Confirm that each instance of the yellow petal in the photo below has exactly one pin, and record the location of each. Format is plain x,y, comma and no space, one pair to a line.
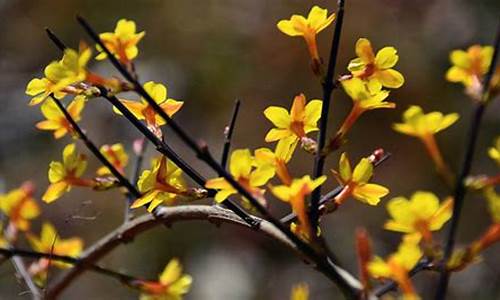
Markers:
386,58
379,268
363,171
240,163
456,74
218,183
48,125
370,193
147,181
424,204
364,50
55,191
288,28
313,112
145,199
460,59
172,272
345,168
278,116
318,20
57,172
390,78
136,108
447,121
442,215
156,90
51,111
285,148
75,107
261,175
278,134
36,86
223,194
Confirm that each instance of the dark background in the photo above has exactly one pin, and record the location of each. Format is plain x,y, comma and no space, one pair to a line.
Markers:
210,53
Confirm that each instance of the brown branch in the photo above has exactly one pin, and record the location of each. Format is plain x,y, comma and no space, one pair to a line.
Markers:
15,253
170,215
322,262
460,188
23,272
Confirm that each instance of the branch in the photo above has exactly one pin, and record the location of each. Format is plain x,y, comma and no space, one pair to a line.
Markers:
460,189
95,151
204,154
161,146
170,215
21,270
16,253
328,86
228,134
135,177
164,149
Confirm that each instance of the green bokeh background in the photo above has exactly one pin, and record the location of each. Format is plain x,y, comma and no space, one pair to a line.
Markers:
210,53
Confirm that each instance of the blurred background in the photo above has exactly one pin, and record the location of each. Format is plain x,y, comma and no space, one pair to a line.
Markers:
210,53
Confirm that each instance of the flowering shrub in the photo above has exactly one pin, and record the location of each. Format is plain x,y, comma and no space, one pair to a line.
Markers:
257,177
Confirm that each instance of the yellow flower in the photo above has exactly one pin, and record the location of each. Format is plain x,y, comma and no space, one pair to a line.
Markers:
49,241
63,175
493,199
71,69
122,42
300,292
116,155
422,213
316,21
397,266
172,284
356,183
494,152
469,66
20,206
417,124
143,111
295,194
55,119
41,88
376,69
301,120
424,126
363,99
278,159
161,184
241,167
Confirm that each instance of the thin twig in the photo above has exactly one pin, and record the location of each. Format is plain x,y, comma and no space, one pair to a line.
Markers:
169,215
460,189
95,151
328,86
21,270
135,177
14,252
204,154
164,149
228,134
57,42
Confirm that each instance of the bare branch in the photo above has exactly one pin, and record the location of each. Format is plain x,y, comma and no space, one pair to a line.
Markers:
170,215
460,189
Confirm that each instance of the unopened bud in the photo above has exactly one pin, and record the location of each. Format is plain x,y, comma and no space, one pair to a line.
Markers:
309,145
